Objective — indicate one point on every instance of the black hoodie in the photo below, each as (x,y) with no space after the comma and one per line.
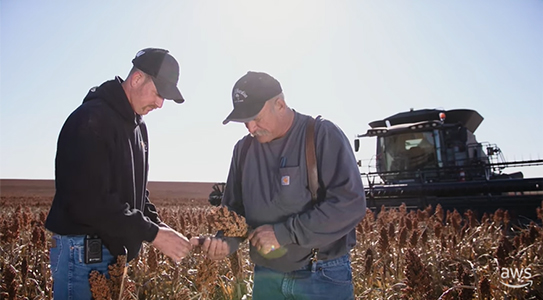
(101,174)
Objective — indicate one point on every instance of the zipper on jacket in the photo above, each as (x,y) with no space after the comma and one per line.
(143,167)
(133,173)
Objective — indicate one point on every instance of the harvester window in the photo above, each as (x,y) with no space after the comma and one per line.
(408,151)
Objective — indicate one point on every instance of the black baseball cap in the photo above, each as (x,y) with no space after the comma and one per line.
(163,69)
(249,95)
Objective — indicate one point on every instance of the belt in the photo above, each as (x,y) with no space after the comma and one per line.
(53,241)
(328,263)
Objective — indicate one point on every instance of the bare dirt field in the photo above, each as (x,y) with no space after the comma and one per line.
(160,192)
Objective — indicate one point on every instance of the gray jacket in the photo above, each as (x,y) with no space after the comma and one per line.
(274,190)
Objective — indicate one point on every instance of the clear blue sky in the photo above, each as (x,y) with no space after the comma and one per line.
(351,61)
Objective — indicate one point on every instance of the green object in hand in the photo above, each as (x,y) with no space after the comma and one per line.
(275,253)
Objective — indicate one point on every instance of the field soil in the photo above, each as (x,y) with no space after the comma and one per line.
(160,192)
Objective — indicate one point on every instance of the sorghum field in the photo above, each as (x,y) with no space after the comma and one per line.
(401,254)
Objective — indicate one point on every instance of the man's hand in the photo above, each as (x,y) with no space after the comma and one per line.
(263,239)
(214,248)
(172,243)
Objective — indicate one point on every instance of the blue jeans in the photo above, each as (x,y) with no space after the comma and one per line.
(331,279)
(70,273)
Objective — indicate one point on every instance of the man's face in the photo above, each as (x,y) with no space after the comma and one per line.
(145,97)
(265,126)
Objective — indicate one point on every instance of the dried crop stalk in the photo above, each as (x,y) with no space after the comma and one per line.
(229,222)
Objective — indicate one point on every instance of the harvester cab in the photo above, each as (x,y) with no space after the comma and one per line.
(431,156)
(430,145)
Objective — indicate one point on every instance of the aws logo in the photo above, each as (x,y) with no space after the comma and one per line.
(521,276)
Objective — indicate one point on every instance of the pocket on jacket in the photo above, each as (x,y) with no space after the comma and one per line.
(291,189)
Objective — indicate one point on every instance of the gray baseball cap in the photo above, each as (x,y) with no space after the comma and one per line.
(249,95)
(163,69)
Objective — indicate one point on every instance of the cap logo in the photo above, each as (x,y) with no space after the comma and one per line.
(140,53)
(239,95)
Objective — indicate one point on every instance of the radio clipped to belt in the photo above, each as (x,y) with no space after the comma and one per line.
(93,249)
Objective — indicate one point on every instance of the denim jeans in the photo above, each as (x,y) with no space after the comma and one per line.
(331,279)
(70,273)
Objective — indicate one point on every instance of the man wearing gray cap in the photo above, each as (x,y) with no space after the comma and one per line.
(301,239)
(101,207)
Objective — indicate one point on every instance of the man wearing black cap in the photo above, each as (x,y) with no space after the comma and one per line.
(101,207)
(300,245)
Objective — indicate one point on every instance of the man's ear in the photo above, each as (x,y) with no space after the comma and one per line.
(136,78)
(280,104)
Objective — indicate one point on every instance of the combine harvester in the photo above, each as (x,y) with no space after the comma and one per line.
(429,157)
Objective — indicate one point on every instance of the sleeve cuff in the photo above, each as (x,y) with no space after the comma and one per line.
(151,233)
(282,234)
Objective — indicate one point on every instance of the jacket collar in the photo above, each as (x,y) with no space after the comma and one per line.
(113,94)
